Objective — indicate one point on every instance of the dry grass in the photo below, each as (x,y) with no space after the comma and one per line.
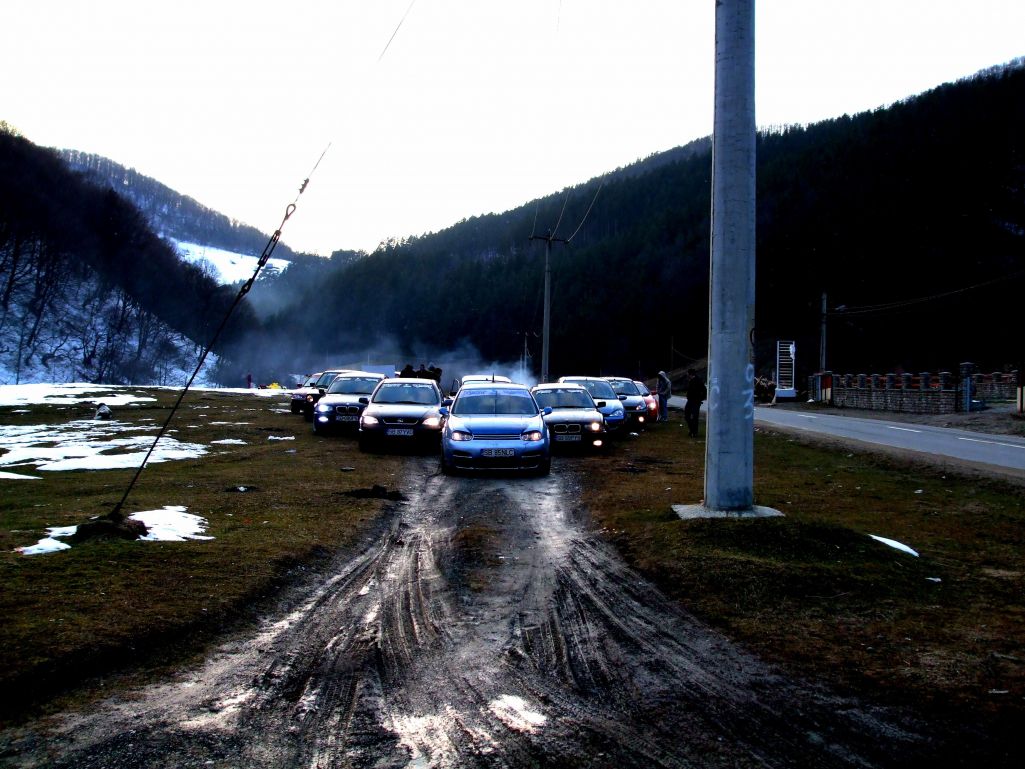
(813,591)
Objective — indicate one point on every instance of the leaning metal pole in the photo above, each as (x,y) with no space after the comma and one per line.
(729,450)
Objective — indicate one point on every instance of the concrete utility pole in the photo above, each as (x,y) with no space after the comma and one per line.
(548,239)
(729,449)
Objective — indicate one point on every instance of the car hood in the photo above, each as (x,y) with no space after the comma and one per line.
(573,415)
(482,425)
(338,399)
(386,410)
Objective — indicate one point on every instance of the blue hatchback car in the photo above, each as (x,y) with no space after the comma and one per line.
(495,426)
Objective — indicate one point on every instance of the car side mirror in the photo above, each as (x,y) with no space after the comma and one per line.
(446,402)
(364,401)
(600,405)
(321,390)
(444,410)
(622,397)
(546,410)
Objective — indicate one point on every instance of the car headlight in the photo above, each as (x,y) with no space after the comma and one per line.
(531,435)
(322,407)
(433,422)
(368,421)
(594,427)
(461,436)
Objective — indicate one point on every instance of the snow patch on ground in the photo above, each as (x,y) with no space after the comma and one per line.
(170,523)
(895,544)
(87,444)
(69,394)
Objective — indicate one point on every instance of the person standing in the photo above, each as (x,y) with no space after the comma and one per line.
(663,390)
(696,393)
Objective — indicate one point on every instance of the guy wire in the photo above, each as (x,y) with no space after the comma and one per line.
(116,513)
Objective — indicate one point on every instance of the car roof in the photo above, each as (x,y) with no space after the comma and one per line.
(489,385)
(559,385)
(352,373)
(485,378)
(617,379)
(407,380)
(572,379)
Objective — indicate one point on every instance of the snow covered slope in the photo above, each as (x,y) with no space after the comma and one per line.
(227,266)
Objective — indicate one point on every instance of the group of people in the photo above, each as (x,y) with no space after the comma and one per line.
(428,372)
(696,393)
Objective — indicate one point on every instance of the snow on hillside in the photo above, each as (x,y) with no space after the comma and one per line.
(228,267)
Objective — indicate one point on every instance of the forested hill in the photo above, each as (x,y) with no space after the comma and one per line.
(170,213)
(88,292)
(911,219)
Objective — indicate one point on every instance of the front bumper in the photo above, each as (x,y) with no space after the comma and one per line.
(483,454)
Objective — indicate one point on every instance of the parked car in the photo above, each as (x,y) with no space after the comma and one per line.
(605,399)
(299,394)
(633,402)
(401,412)
(575,421)
(650,399)
(340,408)
(470,378)
(319,388)
(495,426)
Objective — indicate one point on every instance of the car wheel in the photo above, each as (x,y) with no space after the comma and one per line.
(296,408)
(545,467)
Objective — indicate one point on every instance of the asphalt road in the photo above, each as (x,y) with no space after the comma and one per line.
(999,451)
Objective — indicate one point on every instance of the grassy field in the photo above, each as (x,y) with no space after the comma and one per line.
(811,591)
(108,606)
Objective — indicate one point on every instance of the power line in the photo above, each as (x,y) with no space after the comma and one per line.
(885,307)
(398,27)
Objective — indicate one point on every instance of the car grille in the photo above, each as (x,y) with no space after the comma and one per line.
(500,437)
(404,421)
(562,428)
(347,409)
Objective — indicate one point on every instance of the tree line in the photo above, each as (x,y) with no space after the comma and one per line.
(87,290)
(910,218)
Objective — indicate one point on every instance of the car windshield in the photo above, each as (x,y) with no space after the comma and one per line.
(326,378)
(568,398)
(600,389)
(642,388)
(624,387)
(493,402)
(353,385)
(408,392)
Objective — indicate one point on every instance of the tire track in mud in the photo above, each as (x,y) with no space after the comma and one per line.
(529,643)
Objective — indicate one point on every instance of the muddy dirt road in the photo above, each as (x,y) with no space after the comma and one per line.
(485,628)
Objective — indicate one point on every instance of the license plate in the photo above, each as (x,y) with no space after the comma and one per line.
(498,452)
(347,418)
(567,437)
(407,431)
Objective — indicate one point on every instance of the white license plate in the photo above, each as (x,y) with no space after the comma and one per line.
(498,453)
(347,418)
(567,437)
(407,431)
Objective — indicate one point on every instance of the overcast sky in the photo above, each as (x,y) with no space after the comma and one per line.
(476,105)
